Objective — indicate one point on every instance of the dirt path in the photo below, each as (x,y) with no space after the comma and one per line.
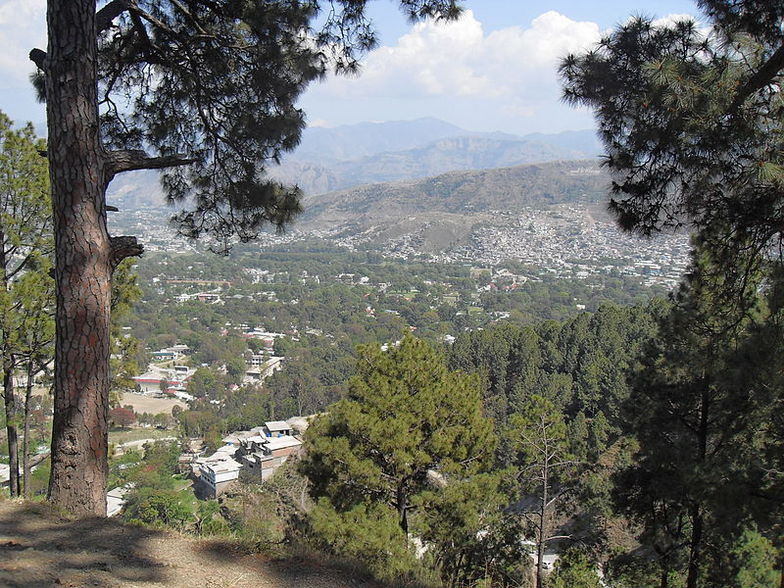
(40,549)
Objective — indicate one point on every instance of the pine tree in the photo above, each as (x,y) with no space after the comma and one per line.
(691,421)
(25,225)
(574,570)
(35,339)
(692,126)
(540,436)
(404,417)
(470,534)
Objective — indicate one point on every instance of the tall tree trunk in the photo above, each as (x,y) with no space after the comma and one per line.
(10,425)
(402,508)
(695,514)
(83,264)
(26,439)
(665,578)
(542,529)
(695,545)
(9,396)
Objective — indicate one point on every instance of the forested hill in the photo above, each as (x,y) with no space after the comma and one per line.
(464,192)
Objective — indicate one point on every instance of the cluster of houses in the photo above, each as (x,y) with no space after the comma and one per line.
(173,381)
(208,297)
(247,456)
(169,381)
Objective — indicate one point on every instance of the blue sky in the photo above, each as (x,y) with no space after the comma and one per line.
(493,70)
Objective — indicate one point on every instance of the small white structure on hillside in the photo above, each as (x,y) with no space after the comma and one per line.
(219,471)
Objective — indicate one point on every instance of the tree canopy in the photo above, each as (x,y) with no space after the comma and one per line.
(207,91)
(405,415)
(691,120)
(692,124)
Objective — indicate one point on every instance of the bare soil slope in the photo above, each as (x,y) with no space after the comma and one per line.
(38,549)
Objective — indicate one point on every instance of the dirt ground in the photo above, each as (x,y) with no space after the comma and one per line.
(149,404)
(40,549)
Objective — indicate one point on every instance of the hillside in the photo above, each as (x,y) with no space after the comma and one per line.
(544,214)
(463,192)
(463,152)
(344,157)
(39,549)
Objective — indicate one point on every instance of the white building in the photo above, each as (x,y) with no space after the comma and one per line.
(219,471)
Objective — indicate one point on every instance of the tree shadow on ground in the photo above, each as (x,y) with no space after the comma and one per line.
(40,548)
(296,571)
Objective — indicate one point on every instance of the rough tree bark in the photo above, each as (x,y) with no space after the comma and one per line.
(83,261)
(80,170)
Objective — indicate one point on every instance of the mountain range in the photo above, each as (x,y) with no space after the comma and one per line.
(368,153)
(424,177)
(508,189)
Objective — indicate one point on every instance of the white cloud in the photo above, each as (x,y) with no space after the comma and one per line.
(671,19)
(459,59)
(22,27)
(504,79)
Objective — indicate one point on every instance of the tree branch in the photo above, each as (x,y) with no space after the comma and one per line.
(105,16)
(123,247)
(134,159)
(762,78)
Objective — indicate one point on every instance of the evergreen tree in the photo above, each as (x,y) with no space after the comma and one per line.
(405,417)
(470,533)
(755,559)
(574,570)
(540,436)
(692,126)
(25,241)
(691,422)
(35,337)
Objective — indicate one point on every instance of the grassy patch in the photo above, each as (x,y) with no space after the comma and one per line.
(118,436)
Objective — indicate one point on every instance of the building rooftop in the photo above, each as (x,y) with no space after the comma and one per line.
(220,463)
(275,426)
(274,443)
